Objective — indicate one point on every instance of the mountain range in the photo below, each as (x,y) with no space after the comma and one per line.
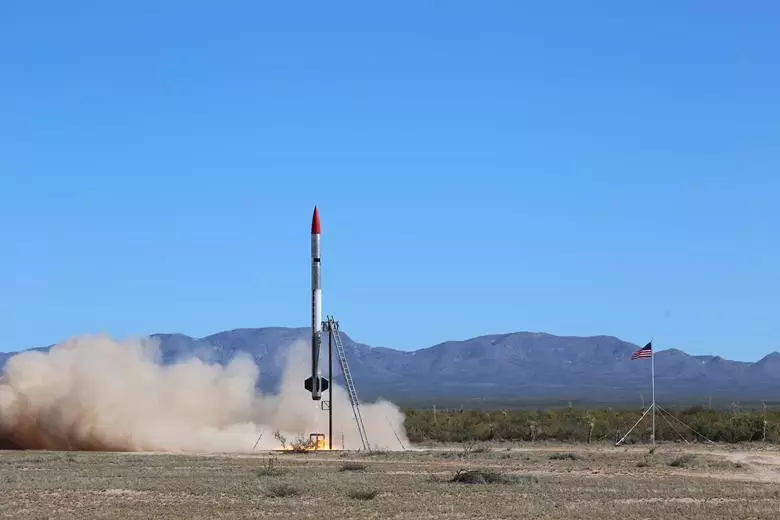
(516,369)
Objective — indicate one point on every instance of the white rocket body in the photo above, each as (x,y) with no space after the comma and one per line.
(316,384)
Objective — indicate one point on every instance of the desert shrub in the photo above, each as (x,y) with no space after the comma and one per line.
(281,438)
(688,460)
(301,444)
(353,466)
(376,453)
(563,456)
(472,476)
(283,490)
(363,494)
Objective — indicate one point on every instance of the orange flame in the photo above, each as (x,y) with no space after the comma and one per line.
(316,441)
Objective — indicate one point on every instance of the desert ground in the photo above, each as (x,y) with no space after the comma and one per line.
(453,482)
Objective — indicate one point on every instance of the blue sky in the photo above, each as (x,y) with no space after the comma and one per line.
(480,167)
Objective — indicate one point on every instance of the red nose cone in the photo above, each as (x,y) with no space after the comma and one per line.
(315,222)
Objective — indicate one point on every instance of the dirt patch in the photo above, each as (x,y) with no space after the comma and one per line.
(598,482)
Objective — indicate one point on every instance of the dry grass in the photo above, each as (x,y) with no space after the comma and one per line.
(521,481)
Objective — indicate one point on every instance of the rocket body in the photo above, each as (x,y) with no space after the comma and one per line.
(316,384)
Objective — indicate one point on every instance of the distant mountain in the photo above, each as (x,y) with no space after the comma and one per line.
(517,368)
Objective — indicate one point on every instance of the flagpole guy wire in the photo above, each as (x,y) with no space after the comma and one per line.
(670,414)
(618,443)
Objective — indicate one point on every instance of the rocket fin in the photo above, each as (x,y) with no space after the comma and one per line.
(324,385)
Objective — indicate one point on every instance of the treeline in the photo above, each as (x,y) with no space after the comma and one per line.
(696,424)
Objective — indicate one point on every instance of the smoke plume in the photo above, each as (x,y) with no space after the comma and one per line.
(95,393)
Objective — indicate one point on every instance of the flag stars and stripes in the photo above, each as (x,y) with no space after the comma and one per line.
(644,352)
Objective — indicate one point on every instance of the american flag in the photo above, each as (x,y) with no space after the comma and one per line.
(646,351)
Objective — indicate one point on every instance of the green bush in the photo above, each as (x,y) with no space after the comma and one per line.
(596,425)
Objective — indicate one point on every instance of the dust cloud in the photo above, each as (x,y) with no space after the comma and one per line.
(95,393)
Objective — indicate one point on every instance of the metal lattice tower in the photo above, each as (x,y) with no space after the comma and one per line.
(332,326)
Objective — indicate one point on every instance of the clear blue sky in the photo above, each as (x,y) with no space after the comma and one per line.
(571,167)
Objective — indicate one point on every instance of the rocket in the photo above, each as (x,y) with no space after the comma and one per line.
(315,384)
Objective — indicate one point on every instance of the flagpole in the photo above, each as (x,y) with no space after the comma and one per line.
(652,376)
(642,353)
